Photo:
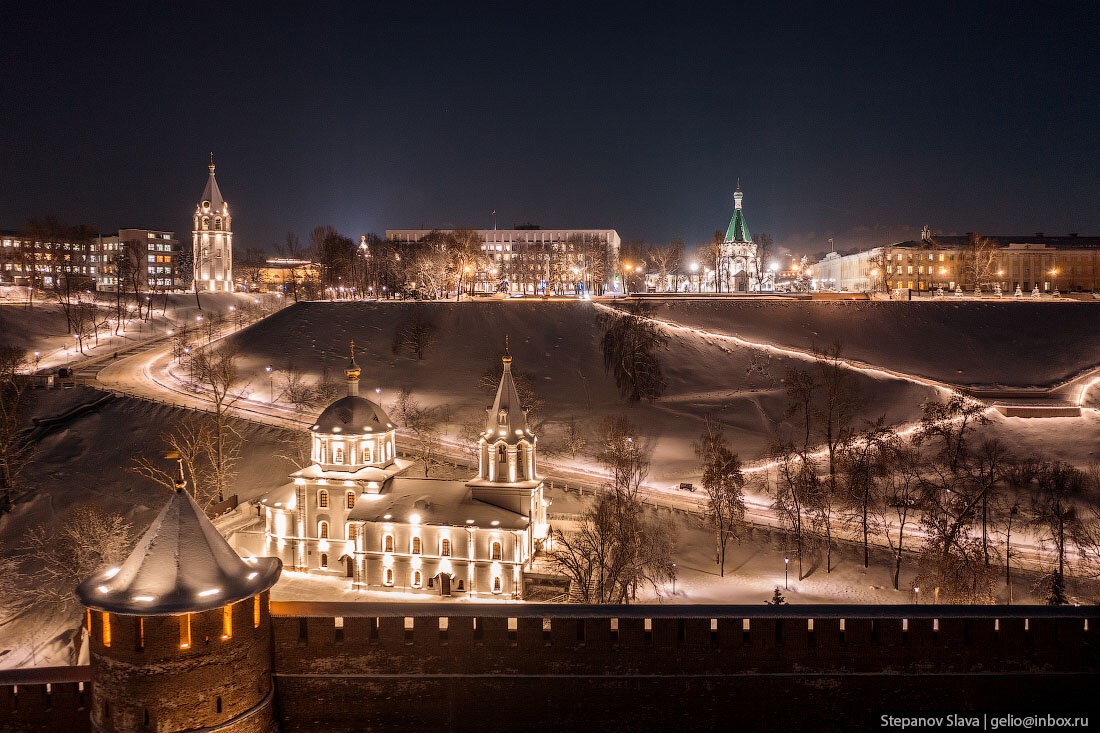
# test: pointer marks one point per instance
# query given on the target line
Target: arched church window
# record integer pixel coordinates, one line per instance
(322, 499)
(502, 417)
(496, 584)
(416, 580)
(206, 222)
(387, 543)
(445, 547)
(338, 454)
(521, 462)
(218, 223)
(351, 500)
(502, 454)
(388, 577)
(496, 550)
(416, 545)
(322, 530)
(324, 560)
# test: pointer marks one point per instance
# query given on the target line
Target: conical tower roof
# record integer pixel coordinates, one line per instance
(737, 231)
(507, 418)
(212, 193)
(182, 564)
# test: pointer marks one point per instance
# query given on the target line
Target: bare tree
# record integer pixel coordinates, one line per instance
(796, 481)
(724, 484)
(295, 389)
(1055, 516)
(898, 497)
(950, 423)
(194, 440)
(666, 258)
(425, 423)
(861, 465)
(216, 370)
(630, 345)
(978, 261)
(765, 247)
(54, 561)
(617, 547)
(573, 437)
(16, 402)
(415, 334)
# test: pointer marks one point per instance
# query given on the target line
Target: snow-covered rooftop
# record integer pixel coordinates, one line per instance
(432, 501)
(353, 415)
(182, 564)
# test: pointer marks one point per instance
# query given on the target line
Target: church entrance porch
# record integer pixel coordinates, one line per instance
(741, 282)
(443, 582)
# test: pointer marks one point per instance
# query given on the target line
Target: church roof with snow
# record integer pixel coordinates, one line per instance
(212, 193)
(182, 564)
(353, 415)
(507, 417)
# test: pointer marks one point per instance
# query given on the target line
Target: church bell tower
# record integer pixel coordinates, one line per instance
(212, 239)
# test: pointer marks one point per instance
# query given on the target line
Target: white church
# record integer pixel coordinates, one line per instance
(212, 240)
(738, 269)
(352, 513)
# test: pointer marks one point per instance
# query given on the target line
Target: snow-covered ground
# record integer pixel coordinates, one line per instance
(42, 326)
(1006, 342)
(556, 344)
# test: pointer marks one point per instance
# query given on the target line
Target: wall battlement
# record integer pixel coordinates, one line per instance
(347, 666)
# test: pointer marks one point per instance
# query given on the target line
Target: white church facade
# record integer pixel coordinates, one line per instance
(354, 513)
(212, 240)
(738, 269)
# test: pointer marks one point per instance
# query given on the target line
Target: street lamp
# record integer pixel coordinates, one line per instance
(916, 594)
(673, 578)
(786, 566)
(270, 384)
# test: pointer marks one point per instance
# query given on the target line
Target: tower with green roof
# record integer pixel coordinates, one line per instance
(738, 270)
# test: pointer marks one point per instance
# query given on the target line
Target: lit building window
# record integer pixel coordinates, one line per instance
(387, 543)
(322, 530)
(185, 631)
(322, 499)
(338, 456)
(445, 548)
(388, 577)
(496, 551)
(324, 560)
(106, 629)
(416, 545)
(255, 612)
(227, 622)
(351, 500)
(416, 579)
(496, 584)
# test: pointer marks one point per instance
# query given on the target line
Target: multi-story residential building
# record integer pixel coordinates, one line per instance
(277, 274)
(1067, 263)
(535, 260)
(151, 255)
(47, 261)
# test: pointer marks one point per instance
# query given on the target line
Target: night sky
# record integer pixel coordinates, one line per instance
(861, 124)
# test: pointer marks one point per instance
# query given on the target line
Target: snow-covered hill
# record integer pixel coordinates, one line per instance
(966, 342)
(557, 345)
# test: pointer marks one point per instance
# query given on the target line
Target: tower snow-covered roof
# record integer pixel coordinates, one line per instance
(182, 564)
(507, 417)
(212, 193)
(737, 231)
(353, 415)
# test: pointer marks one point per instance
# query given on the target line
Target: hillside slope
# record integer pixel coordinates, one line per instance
(557, 345)
(966, 342)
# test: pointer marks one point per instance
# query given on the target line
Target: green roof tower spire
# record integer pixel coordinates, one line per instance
(737, 231)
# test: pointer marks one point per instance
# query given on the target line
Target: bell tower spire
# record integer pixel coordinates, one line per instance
(352, 372)
(212, 239)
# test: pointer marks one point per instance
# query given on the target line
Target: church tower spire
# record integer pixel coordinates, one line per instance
(212, 239)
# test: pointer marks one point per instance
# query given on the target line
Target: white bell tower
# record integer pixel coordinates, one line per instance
(212, 239)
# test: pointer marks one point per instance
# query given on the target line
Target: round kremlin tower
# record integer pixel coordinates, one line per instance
(180, 632)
